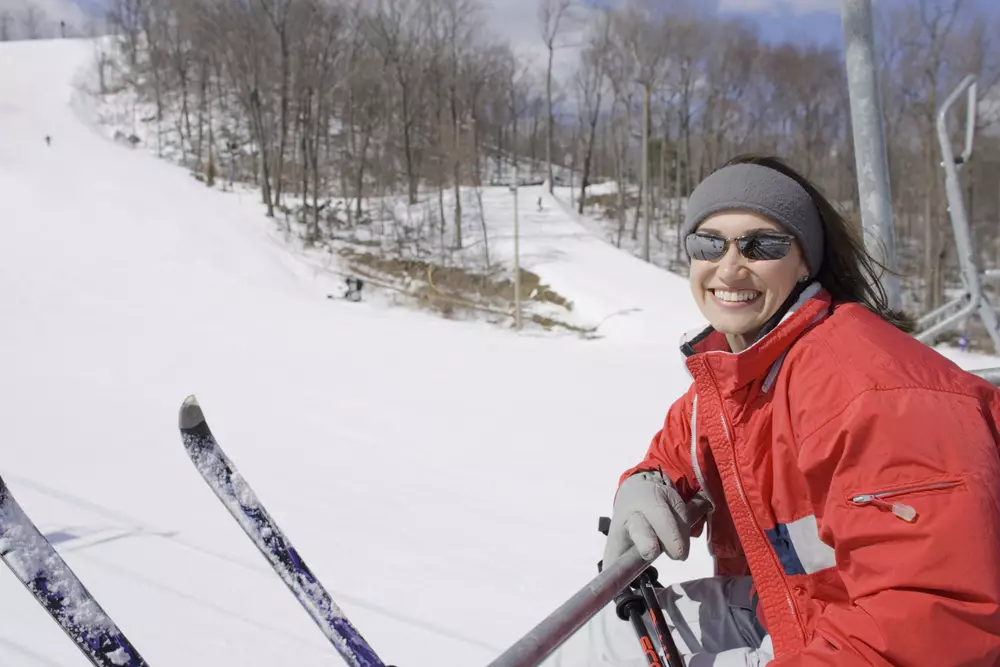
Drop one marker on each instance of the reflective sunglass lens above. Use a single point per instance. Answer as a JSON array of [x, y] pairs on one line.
[[765, 246], [705, 247]]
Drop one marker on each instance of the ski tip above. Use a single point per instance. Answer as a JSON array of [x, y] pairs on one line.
[[191, 414]]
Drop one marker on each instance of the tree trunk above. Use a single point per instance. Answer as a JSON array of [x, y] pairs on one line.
[[456, 158], [534, 134], [320, 125], [411, 177], [283, 130], [620, 164], [638, 214], [550, 120], [257, 121], [362, 163], [588, 157], [477, 176], [202, 106], [645, 169]]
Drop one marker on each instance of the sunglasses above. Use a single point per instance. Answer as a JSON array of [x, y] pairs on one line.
[[754, 246]]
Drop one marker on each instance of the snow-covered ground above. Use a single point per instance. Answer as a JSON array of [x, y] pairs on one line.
[[443, 479]]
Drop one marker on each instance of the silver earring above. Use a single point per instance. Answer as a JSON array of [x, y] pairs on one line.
[[804, 279]]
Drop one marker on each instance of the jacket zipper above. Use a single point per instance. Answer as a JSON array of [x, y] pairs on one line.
[[694, 454], [903, 511], [743, 497]]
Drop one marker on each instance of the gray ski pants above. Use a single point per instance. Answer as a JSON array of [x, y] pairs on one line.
[[712, 621]]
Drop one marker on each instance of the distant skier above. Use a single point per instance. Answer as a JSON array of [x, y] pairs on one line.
[[48, 140], [853, 471]]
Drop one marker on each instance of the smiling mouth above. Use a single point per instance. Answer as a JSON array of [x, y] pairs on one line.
[[735, 297]]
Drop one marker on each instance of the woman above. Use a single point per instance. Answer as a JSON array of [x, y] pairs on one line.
[[851, 472]]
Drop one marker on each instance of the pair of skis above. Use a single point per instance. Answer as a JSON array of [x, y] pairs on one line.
[[54, 585], [36, 563]]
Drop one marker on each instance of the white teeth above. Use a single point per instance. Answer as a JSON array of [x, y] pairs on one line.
[[742, 295]]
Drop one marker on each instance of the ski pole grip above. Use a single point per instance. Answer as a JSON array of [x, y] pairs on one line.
[[550, 634], [557, 627]]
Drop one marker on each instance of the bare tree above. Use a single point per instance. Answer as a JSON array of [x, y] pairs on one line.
[[127, 17], [247, 47], [621, 74], [805, 82], [461, 21], [5, 21], [363, 107], [729, 76], [644, 37], [315, 61], [932, 31], [395, 32], [590, 81], [686, 53], [367, 99], [33, 20], [551, 14]]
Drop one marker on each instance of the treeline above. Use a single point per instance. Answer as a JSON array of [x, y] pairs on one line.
[[314, 99]]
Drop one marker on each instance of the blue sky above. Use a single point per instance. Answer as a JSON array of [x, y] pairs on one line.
[[779, 20], [798, 21], [814, 20]]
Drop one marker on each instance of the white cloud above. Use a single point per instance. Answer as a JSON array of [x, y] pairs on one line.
[[774, 6]]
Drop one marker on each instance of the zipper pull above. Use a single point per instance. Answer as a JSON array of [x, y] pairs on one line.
[[904, 512]]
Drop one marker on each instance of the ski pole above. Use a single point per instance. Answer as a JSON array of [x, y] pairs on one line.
[[666, 639], [559, 626], [645, 585], [629, 606]]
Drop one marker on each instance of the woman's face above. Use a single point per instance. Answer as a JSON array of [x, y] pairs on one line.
[[738, 295]]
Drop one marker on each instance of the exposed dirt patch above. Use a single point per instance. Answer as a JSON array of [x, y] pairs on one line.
[[454, 291]]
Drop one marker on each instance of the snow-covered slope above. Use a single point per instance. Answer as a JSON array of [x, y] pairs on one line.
[[443, 479]]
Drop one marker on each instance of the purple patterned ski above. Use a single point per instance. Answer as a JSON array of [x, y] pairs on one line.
[[36, 563], [234, 492]]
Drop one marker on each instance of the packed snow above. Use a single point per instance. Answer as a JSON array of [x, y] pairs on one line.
[[443, 479]]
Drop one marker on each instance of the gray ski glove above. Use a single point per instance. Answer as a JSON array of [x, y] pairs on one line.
[[648, 509]]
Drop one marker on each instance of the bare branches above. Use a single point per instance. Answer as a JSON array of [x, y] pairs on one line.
[[6, 23], [551, 15], [319, 100]]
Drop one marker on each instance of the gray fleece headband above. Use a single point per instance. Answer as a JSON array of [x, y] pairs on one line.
[[762, 190]]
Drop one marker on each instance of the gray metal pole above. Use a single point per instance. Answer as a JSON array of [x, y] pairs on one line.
[[517, 253], [869, 140], [559, 626]]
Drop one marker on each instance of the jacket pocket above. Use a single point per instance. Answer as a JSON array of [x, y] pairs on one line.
[[888, 501]]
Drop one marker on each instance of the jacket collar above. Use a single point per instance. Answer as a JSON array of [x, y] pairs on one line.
[[709, 349]]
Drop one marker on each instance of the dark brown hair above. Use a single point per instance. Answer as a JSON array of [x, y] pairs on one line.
[[848, 272]]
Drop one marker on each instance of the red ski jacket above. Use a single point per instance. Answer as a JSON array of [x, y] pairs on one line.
[[855, 474]]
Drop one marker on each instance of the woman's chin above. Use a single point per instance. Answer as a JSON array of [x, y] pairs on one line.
[[735, 322]]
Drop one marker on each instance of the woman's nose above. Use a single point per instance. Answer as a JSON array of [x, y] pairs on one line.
[[732, 264]]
